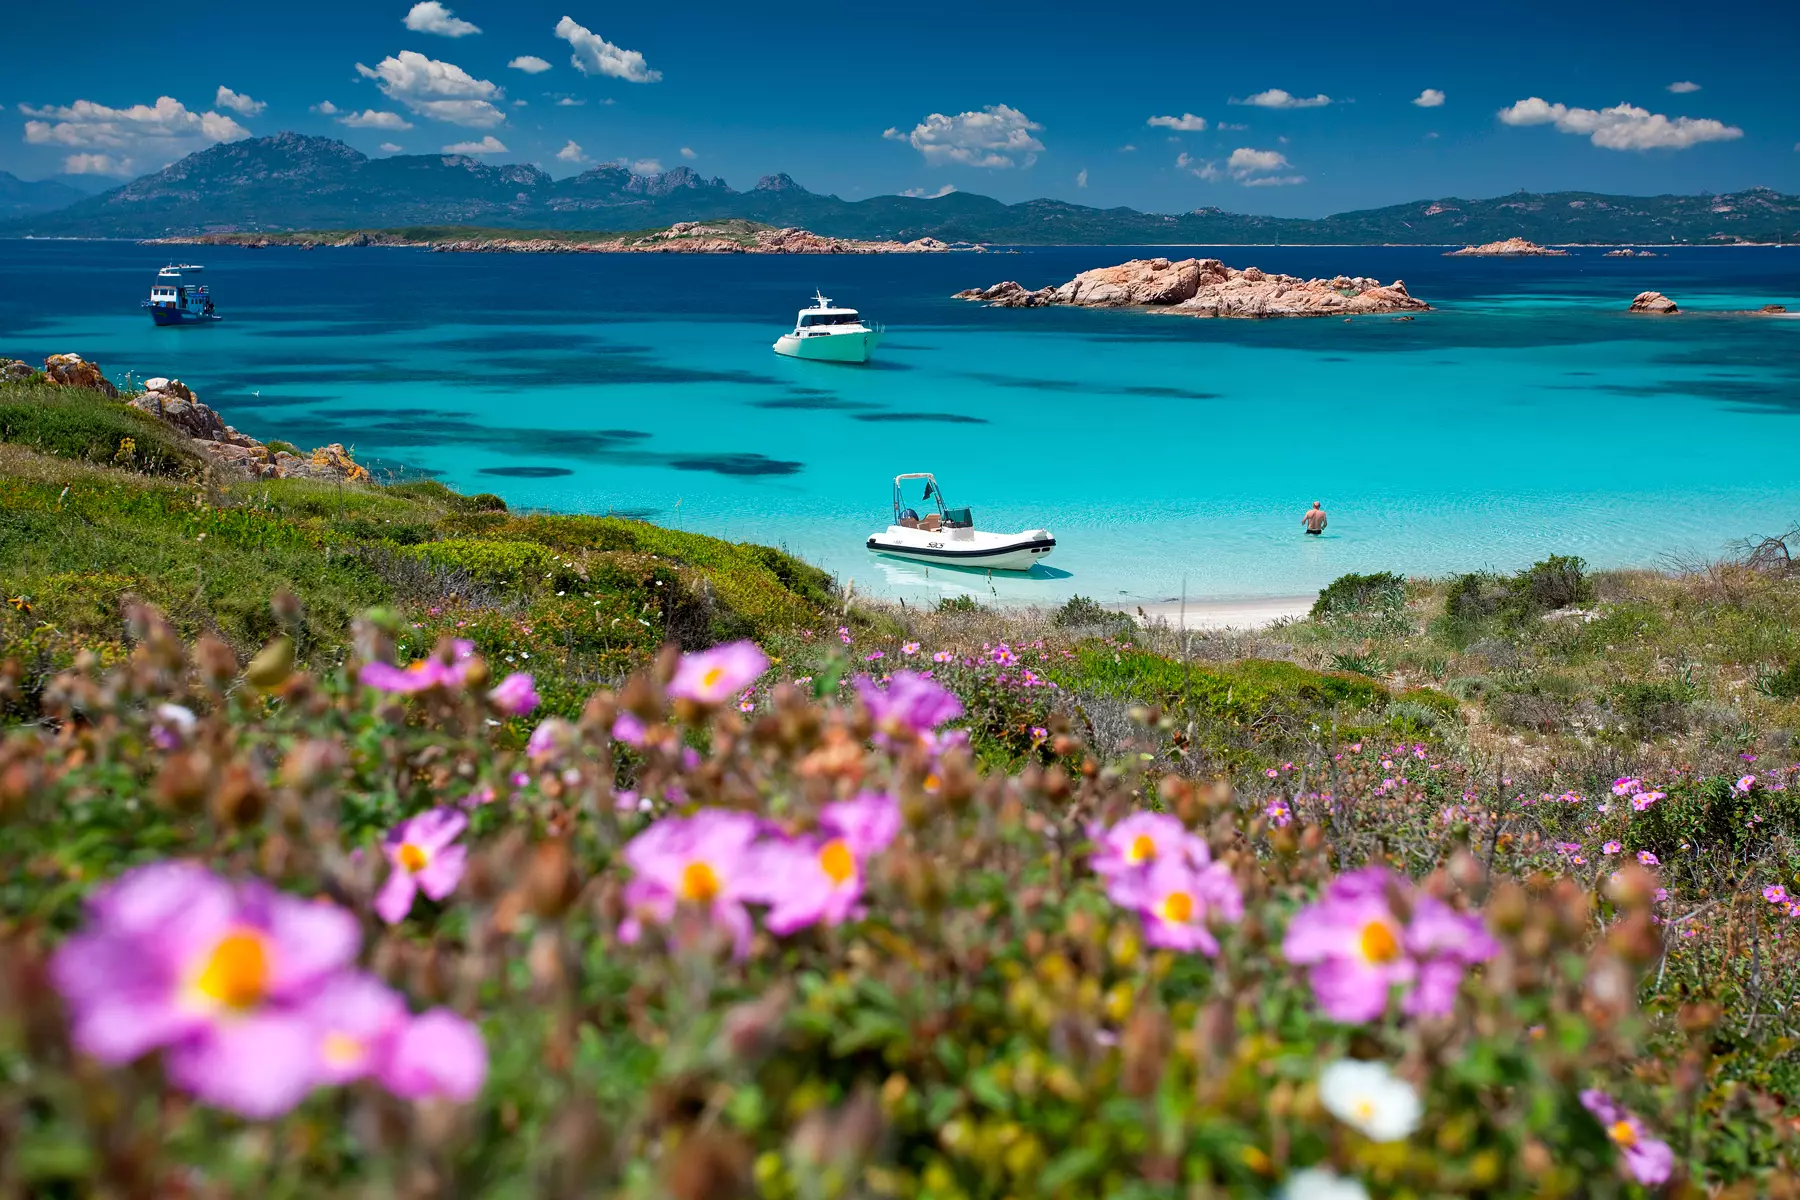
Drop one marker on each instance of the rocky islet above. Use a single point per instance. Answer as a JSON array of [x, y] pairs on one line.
[[1206, 287]]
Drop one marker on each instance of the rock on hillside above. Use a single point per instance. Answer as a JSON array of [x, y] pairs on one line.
[[1513, 247], [1653, 302], [1206, 287]]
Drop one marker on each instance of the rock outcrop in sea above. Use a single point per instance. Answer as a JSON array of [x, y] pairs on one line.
[[1206, 287], [1628, 252], [1653, 302], [1513, 247], [175, 404]]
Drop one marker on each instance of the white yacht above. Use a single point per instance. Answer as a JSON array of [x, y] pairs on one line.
[[829, 334], [949, 538]]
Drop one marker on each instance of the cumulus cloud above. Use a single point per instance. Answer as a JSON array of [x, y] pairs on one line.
[[531, 64], [325, 107], [487, 145], [687, 152], [1277, 98], [997, 136], [646, 166], [439, 90], [920, 193], [392, 147], [96, 164], [1683, 87], [1245, 161], [1186, 123], [1225, 126], [428, 16], [1127, 148], [569, 102], [1204, 169], [1430, 98], [594, 55], [1621, 127], [1081, 178], [368, 118], [571, 152], [162, 131], [238, 102]]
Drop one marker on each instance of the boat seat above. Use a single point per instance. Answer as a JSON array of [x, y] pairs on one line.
[[908, 522], [931, 523]]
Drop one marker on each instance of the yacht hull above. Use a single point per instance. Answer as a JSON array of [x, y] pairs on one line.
[[965, 548], [175, 316], [830, 347]]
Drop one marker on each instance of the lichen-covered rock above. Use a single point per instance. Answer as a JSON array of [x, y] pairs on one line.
[[13, 370], [71, 370], [1653, 302]]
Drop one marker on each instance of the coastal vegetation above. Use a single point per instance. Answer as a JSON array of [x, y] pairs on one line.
[[385, 840], [729, 236]]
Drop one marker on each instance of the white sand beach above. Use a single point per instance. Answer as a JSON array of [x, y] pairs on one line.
[[1253, 613]]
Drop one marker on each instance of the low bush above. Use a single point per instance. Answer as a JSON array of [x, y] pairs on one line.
[[1559, 581], [86, 426], [1351, 594]]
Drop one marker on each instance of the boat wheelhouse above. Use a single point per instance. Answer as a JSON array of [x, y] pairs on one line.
[[829, 334], [179, 298], [948, 537]]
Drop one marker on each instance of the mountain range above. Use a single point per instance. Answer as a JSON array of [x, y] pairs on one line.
[[292, 181]]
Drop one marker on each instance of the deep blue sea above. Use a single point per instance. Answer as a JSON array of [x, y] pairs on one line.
[[1528, 415]]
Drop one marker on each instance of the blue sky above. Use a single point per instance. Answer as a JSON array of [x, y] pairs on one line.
[[1299, 108]]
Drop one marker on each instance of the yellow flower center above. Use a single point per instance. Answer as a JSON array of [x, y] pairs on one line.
[[1178, 907], [710, 680], [933, 783], [1379, 945], [836, 860], [342, 1050], [412, 857], [699, 883], [1143, 848], [1364, 1110], [237, 972], [1622, 1133]]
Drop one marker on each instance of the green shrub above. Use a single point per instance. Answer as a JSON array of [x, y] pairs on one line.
[[1560, 581], [958, 604], [1079, 612], [1350, 594], [1476, 596], [1655, 707], [280, 447], [87, 426], [1780, 685]]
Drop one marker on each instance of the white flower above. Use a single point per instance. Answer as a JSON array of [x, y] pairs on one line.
[[1368, 1097], [1316, 1184]]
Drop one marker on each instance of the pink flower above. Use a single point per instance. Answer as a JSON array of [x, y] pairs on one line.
[[217, 975], [909, 648], [1358, 949], [844, 634], [628, 728], [355, 1018], [1642, 1157], [1742, 787], [1176, 902], [875, 656], [1125, 854], [704, 860], [1612, 847], [1279, 814], [424, 858], [436, 1054], [516, 695], [552, 737], [820, 879], [910, 707], [747, 702], [1644, 800], [944, 656], [1648, 859], [421, 674], [1271, 773], [714, 676], [1775, 894]]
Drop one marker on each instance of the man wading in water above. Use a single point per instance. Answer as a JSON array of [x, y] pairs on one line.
[[1314, 520]]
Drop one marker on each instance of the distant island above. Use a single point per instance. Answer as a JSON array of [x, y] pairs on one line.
[[289, 182], [1512, 247], [1206, 287], [684, 237]]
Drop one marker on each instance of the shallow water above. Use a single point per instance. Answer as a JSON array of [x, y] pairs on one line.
[[1529, 415]]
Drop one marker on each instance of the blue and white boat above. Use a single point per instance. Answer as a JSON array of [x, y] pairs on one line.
[[177, 299]]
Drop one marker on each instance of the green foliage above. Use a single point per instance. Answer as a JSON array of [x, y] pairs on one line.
[[1559, 581], [1655, 706], [1351, 594], [1080, 612], [1781, 684], [84, 425], [277, 446], [963, 603]]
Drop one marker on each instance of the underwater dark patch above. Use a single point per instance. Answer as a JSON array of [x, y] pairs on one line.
[[1334, 358], [941, 418], [734, 464], [526, 472], [1171, 393], [822, 403]]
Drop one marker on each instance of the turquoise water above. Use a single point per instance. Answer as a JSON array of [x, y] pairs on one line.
[[1529, 415]]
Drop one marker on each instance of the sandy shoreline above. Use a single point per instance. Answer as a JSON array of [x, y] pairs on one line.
[[1256, 612]]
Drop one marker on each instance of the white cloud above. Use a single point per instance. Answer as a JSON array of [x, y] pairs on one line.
[[392, 147], [571, 152], [1276, 98], [1273, 180], [1186, 122], [1127, 148], [1683, 87], [1432, 136], [687, 152], [96, 164], [997, 136], [165, 129], [594, 55], [238, 102], [1081, 178], [520, 103], [646, 166], [368, 118], [487, 145], [325, 107], [570, 102], [1226, 125], [531, 64], [439, 90], [1203, 169], [1245, 161], [428, 16], [920, 193], [1430, 98], [1621, 127]]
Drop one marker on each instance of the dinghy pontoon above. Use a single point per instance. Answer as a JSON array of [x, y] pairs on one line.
[[949, 538]]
